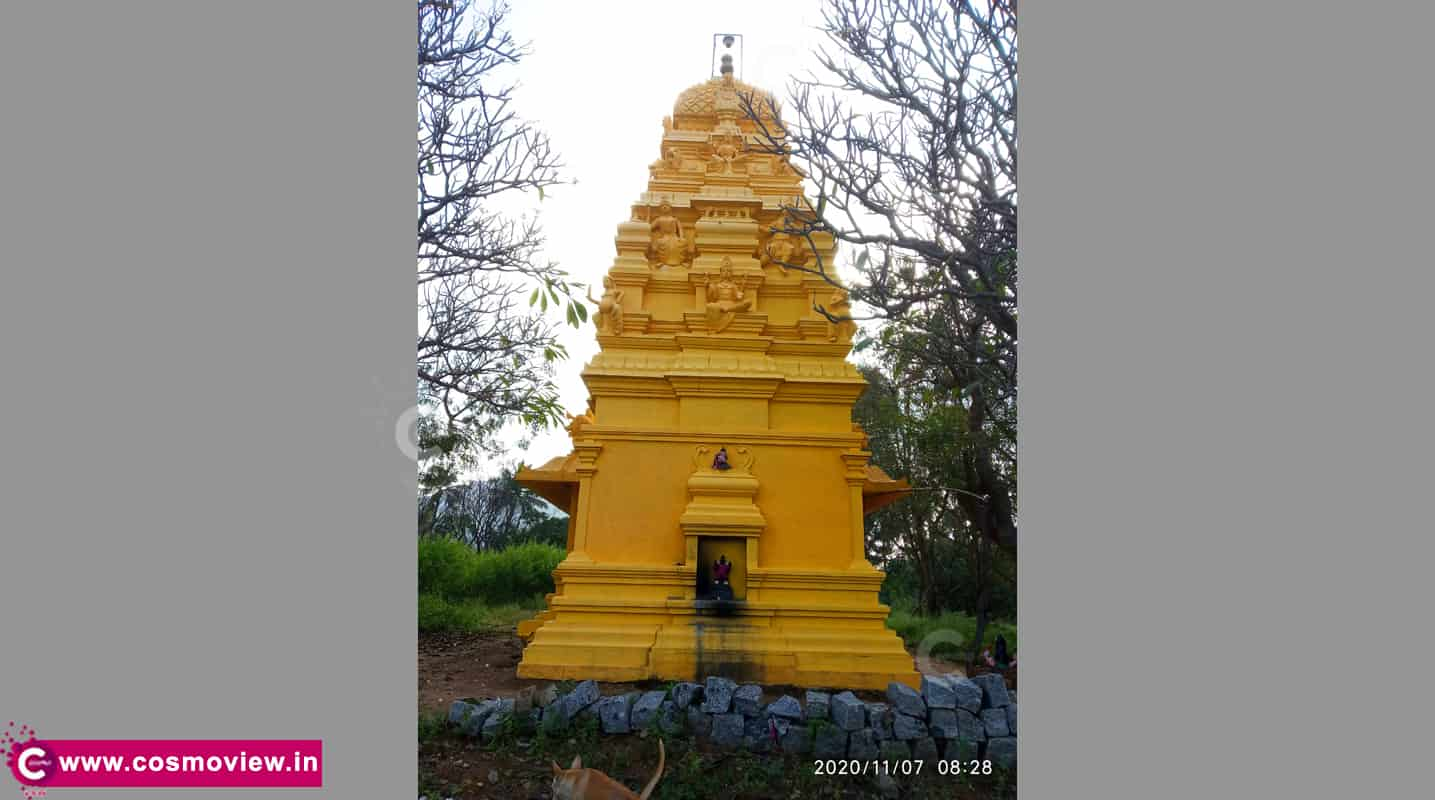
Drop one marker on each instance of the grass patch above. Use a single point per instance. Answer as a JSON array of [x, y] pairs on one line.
[[431, 724], [471, 616], [914, 628]]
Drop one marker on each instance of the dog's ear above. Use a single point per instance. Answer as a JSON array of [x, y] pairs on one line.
[[577, 762], [556, 769]]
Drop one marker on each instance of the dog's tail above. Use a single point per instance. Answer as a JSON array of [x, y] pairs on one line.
[[647, 790]]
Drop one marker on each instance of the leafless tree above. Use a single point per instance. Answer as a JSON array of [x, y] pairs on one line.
[[908, 131], [484, 355]]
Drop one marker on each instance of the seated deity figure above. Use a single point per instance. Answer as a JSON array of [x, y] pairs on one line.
[[725, 152], [781, 250], [722, 579], [668, 246], [726, 298], [720, 461], [670, 161], [609, 318]]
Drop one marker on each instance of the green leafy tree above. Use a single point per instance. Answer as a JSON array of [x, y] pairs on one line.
[[490, 514]]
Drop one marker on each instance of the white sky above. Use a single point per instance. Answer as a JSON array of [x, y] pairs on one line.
[[599, 79]]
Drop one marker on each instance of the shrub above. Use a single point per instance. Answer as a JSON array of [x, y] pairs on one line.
[[453, 571], [914, 627]]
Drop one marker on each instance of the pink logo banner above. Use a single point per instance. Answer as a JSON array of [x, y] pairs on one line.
[[165, 763]]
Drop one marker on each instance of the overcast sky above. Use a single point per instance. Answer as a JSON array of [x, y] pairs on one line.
[[599, 79]]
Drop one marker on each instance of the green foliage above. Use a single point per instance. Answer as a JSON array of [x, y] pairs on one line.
[[431, 725], [437, 614], [914, 628], [454, 571], [461, 589]]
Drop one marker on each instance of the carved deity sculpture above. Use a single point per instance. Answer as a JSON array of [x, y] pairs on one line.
[[722, 571], [668, 246], [726, 151], [609, 318], [726, 298], [840, 306], [669, 161], [781, 250], [577, 421], [720, 461]]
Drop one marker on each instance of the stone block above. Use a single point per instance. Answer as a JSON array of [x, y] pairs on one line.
[[970, 727], [863, 745], [994, 694], [943, 723], [685, 694], [1011, 717], [905, 700], [816, 705], [797, 740], [848, 713], [994, 720], [968, 694], [546, 696], [669, 719], [502, 711], [906, 726], [717, 695], [727, 729], [879, 719], [747, 700], [473, 723], [757, 734], [699, 724], [645, 709], [583, 695], [785, 707], [613, 713], [939, 692], [459, 711]]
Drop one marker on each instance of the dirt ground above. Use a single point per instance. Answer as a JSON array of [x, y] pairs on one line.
[[457, 666]]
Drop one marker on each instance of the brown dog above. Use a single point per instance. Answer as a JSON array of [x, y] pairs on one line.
[[577, 783]]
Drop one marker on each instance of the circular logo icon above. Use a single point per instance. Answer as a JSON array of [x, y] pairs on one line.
[[34, 763]]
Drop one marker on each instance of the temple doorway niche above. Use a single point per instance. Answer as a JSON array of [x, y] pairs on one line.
[[734, 548]]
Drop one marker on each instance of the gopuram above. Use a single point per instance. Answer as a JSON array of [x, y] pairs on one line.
[[717, 484]]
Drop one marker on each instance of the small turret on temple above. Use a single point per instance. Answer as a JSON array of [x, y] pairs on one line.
[[718, 438]]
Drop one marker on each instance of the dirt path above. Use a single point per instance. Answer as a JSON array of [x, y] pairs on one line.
[[454, 666]]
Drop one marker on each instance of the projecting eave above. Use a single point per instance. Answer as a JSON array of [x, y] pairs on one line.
[[879, 490], [556, 481]]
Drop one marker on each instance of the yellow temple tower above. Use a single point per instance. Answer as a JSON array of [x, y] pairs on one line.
[[719, 427]]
